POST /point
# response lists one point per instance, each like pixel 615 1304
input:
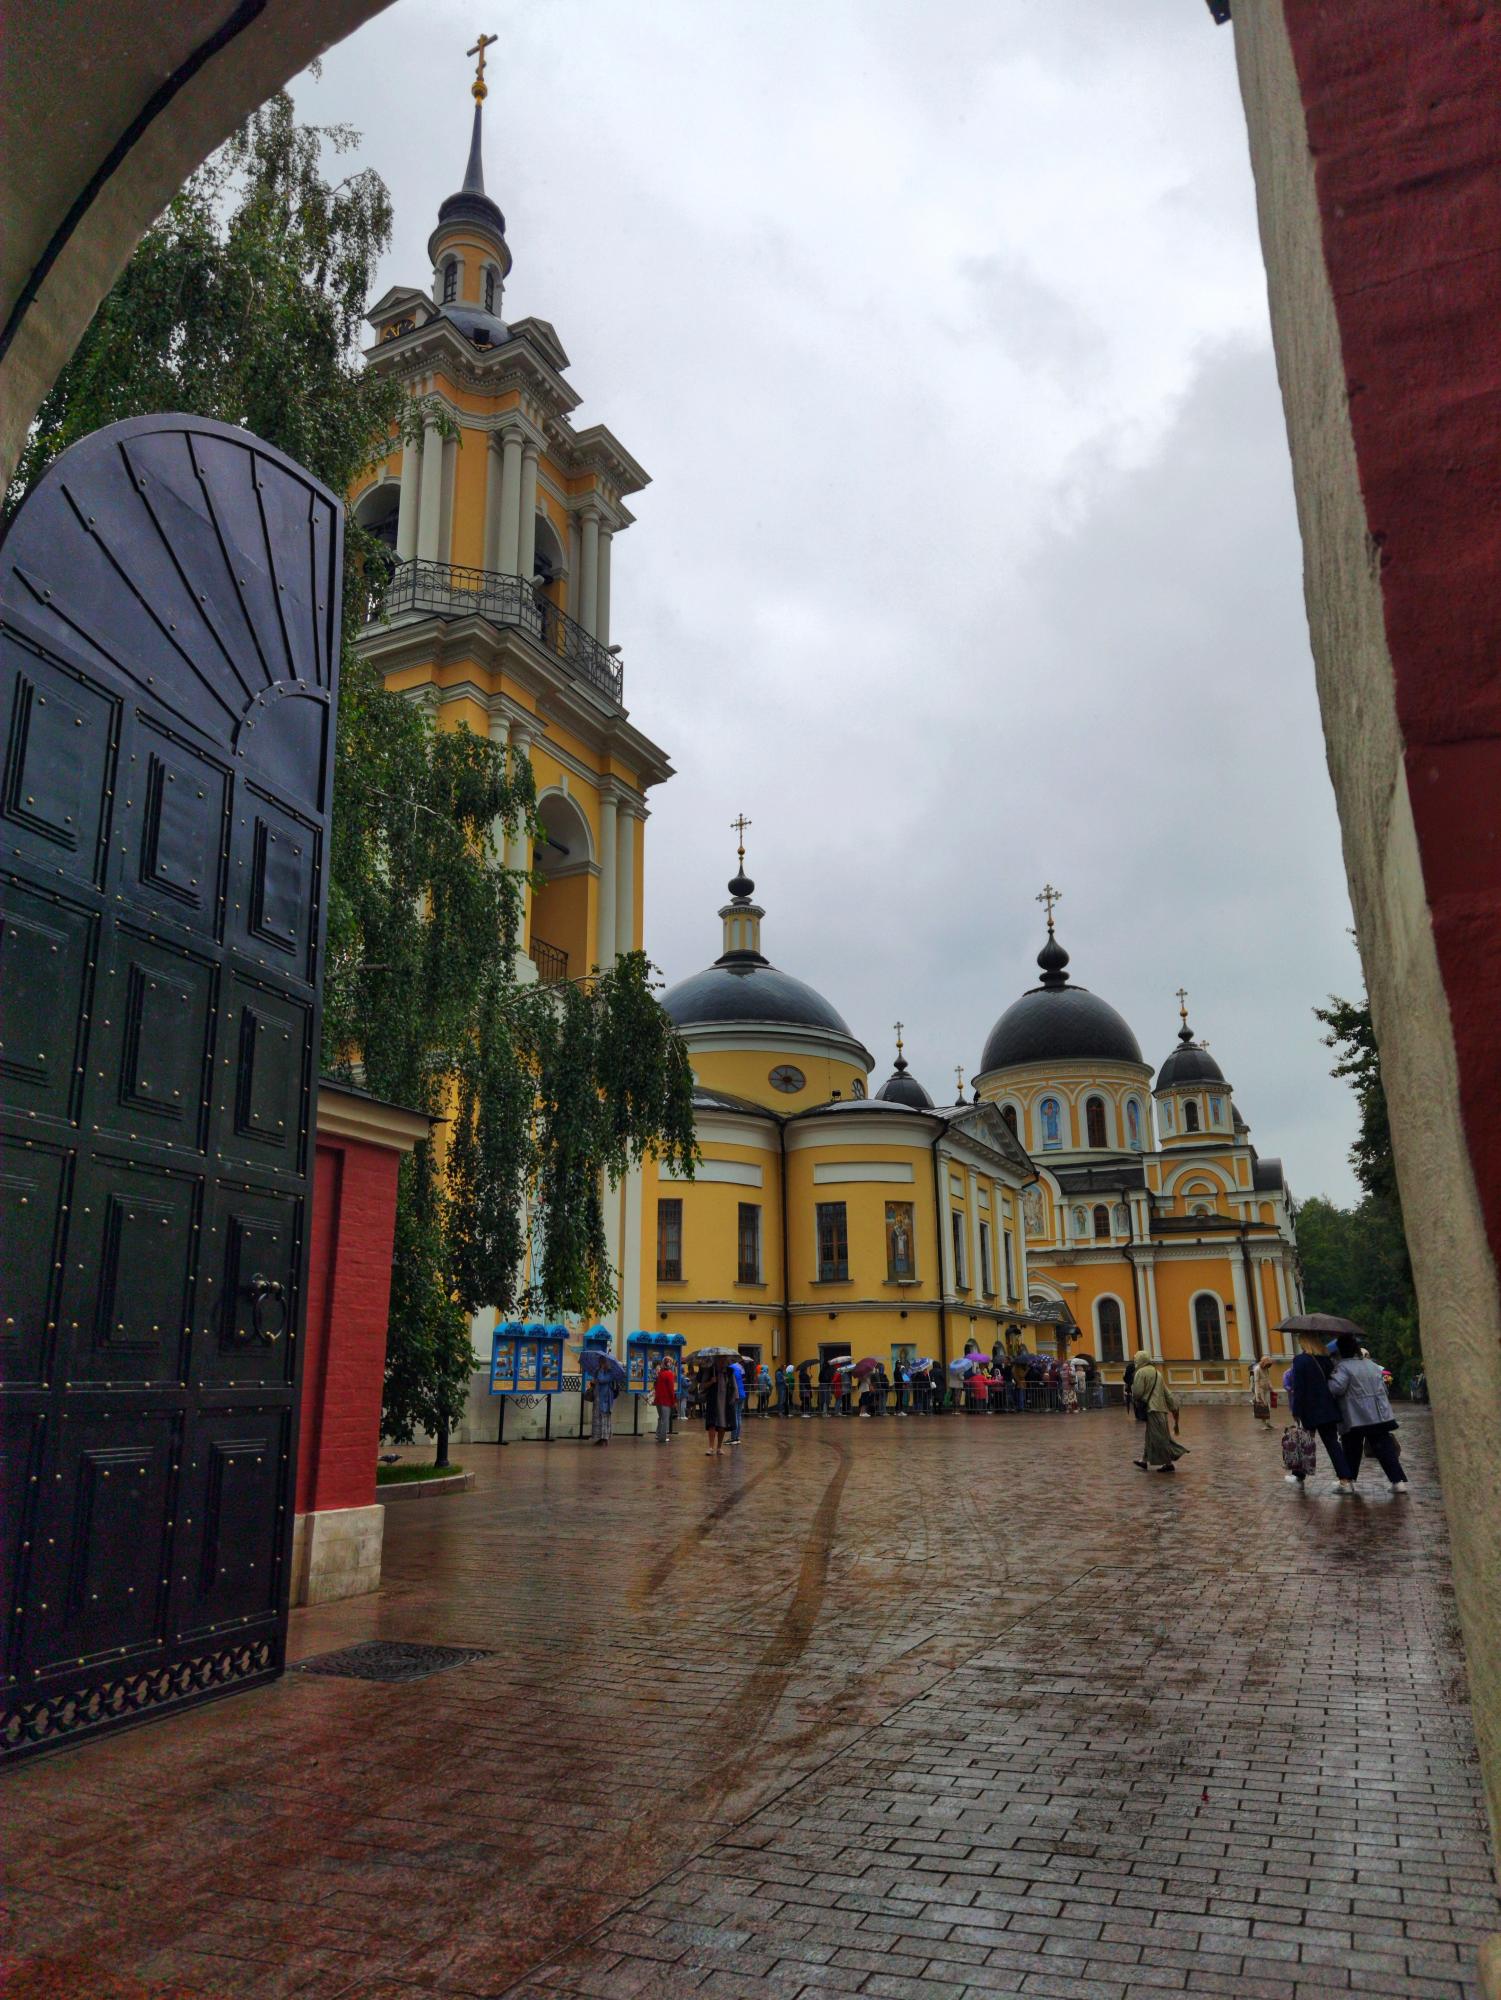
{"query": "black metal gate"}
pixel 169 642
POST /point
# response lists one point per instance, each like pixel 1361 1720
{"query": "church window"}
pixel 1008 1113
pixel 670 1240
pixel 1133 1124
pixel 956 1226
pixel 1190 1116
pixel 987 1273
pixel 1107 1314
pixel 1094 1119
pixel 901 1261
pixel 833 1242
pixel 1101 1220
pixel 857 1086
pixel 748 1242
pixel 450 282
pixel 1209 1327
pixel 1052 1124
pixel 490 288
pixel 1009 1253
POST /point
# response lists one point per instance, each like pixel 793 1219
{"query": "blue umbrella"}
pixel 595 1362
pixel 923 1362
pixel 966 1364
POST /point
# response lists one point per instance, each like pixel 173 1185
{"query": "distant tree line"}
pixel 1355 1260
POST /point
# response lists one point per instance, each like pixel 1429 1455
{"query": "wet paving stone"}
pixel 945 1708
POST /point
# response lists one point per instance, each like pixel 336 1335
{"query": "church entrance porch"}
pixel 871 1720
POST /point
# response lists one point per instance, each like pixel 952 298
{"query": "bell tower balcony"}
pixel 416 590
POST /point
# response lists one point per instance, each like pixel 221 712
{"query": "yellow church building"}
pixel 1076 1201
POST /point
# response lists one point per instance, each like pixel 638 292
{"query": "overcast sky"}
pixel 969 560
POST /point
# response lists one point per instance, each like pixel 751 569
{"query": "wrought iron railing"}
pixel 551 962
pixel 447 590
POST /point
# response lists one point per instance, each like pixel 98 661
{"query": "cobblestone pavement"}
pixel 916 1710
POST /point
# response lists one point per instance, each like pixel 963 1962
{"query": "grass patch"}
pixel 403 1475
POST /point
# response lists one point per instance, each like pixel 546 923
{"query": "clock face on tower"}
pixel 788 1077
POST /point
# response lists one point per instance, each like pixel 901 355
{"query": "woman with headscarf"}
pixel 719 1406
pixel 1156 1401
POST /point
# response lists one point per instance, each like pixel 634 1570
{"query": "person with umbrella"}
pixel 605 1376
pixel 1314 1408
pixel 719 1403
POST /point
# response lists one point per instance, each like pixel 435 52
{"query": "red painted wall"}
pixel 1404 121
pixel 349 1291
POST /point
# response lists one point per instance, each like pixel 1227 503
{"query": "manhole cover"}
pixel 392 1660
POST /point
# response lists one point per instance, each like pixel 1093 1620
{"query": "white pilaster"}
pixel 411 501
pixel 450 481
pixel 602 593
pixel 500 736
pixel 589 566
pixel 1154 1330
pixel 510 503
pixel 526 555
pixel 976 1266
pixel 430 509
pixel 625 881
pixel 605 946
pixel 492 504
pixel 630 1273
pixel 1242 1309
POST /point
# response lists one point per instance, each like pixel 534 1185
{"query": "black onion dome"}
pixel 901 1087
pixel 1188 1064
pixel 746 988
pixel 1058 1022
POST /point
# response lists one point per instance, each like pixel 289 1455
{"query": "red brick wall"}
pixel 1404 123
pixel 349 1289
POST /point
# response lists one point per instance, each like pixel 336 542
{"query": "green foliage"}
pixel 1355 1260
pixel 245 302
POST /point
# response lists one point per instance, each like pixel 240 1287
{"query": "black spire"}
pixel 474 173
pixel 471 203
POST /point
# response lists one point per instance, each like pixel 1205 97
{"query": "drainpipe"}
pixel 938 1222
pixel 786 1262
pixel 1255 1303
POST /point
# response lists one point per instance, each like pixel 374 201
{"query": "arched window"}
pixel 1133 1124
pixel 450 282
pixel 1190 1116
pixel 489 288
pixel 1209 1327
pixel 1094 1120
pixel 1052 1124
pixel 1107 1314
pixel 1101 1220
pixel 1008 1113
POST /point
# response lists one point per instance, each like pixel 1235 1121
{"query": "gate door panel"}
pixel 169 640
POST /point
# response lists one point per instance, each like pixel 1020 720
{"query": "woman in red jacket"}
pixel 664 1395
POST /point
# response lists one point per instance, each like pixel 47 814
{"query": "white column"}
pixel 450 483
pixel 589 568
pixel 612 1204
pixel 526 556
pixel 631 1260
pixel 625 881
pixel 949 1277
pixel 492 504
pixel 1242 1309
pixel 602 594
pixel 411 500
pixel 510 503
pixel 976 1268
pixel 430 508
pixel 1154 1330
pixel 500 736
pixel 605 949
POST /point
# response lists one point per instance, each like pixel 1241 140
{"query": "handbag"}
pixel 1300 1450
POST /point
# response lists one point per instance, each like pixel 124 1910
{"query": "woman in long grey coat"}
pixel 1152 1396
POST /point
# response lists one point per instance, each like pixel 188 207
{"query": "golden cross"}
pixel 899 1025
pixel 478 87
pixel 1050 896
pixel 738 826
pixel 1181 996
pixel 959 1074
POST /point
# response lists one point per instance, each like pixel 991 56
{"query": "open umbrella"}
pixel 715 1354
pixel 602 1367
pixel 921 1365
pixel 1324 1323
pixel 868 1366
pixel 967 1364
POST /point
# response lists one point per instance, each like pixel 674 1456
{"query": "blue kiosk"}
pixel 526 1361
pixel 644 1355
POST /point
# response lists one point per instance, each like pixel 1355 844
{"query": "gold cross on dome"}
pixel 1181 996
pixel 1050 896
pixel 738 826
pixel 478 87
pixel 959 1077
pixel 898 1026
